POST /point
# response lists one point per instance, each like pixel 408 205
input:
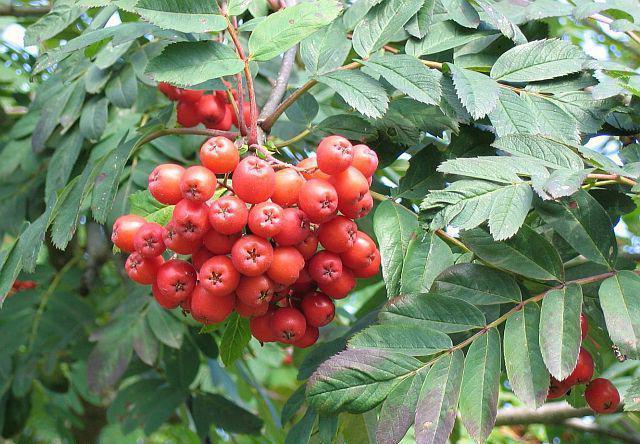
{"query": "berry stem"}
pixel 294 139
pixel 194 131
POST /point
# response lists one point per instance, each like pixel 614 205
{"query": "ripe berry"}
pixel 218 276
pixel 335 154
pixel 305 282
pixel 252 255
pixel 288 324
pixel 361 254
pixel 583 371
pixel 286 265
pixel 209 309
pixel 198 183
pixel 225 121
pixel 219 243
pixel 338 235
pixel 169 90
pixel 248 311
pixel 288 183
pixel 211 110
pixel 308 246
pixel 319 200
pixel 190 95
pixel 602 396
pixel 325 267
pixel 318 309
pixel 365 160
pixel 351 186
pixel 309 338
pixel 228 215
pixel 265 219
pixel 311 170
pixel 142 270
pixel 340 288
pixel 295 227
pixel 164 183
pixel 191 219
pixel 357 209
pixel 177 242
pixel 149 241
pixel 584 325
pixel 124 230
pixel 220 155
pixel 371 270
pixel 176 280
pixel 187 114
pixel 255 291
pixel 254 180
pixel 557 389
pixel 162 300
pixel 200 256
pixel 260 327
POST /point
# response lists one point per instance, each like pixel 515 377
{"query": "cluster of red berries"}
pixel 601 394
pixel 255 248
pixel 195 107
pixel 22 285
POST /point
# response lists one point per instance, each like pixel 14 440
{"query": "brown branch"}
pixel 24 11
pixel 181 131
pixel 613 177
pixel 280 87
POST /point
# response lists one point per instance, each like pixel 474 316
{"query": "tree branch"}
pixel 280 87
pixel 194 131
pixel 24 11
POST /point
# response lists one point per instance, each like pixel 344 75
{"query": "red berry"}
pixel 335 154
pixel 557 389
pixel 164 183
pixel 288 183
pixel 220 155
pixel 248 311
pixel 305 282
pixel 365 160
pixel 218 276
pixel 286 265
pixel 265 219
pixel 260 327
pixel 311 170
pixel 149 241
pixel 341 287
pixel 358 209
pixel 124 230
pixel 309 338
pixel 163 301
pixel 191 219
pixel 252 255
pixel 187 114
pixel 319 200
pixel 295 227
pixel 210 109
pixel 351 186
pixel 602 396
pixel 219 243
pixel 338 235
pixel 361 254
pixel 142 270
pixel 318 309
pixel 325 267
pixel 255 291
pixel 209 309
pixel 584 325
pixel 176 280
pixel 169 90
pixel 189 95
pixel 583 371
pixel 228 215
pixel 175 241
pixel 288 324
pixel 254 180
pixel 308 246
pixel 200 256
pixel 371 270
pixel 198 183
pixel 224 122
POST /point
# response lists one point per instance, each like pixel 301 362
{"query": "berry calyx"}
pixel 265 219
pixel 228 215
pixel 288 324
pixel 149 240
pixel 176 280
pixel 252 255
pixel 218 276
pixel 198 183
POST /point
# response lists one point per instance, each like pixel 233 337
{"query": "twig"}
pixel 280 87
pixel 194 131
pixel 553 412
pixel 615 177
pixel 607 21
pixel 24 11
pixel 240 89
pixel 632 438
pixel 294 139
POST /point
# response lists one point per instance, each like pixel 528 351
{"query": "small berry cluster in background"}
pixel 601 394
pixel 195 107
pixel 254 249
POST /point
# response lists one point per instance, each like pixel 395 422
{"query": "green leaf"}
pixel 477 92
pixel 237 7
pixel 433 311
pixel 164 326
pixel 382 23
pixel 210 409
pixel 358 90
pixel 620 301
pixel 493 16
pixel 181 365
pixel 191 63
pixel 584 224
pixel 61 16
pixel 182 15
pixel 393 225
pixel 396 414
pixel 541 149
pixel 436 410
pixel 10 266
pixel 145 343
pixel 421 175
pixel 527 253
pixel 326 49
pixel 427 255
pixel 560 330
pixel 235 338
pixel 357 380
pixel 93 120
pixel 283 29
pixel 538 60
pixel 512 115
pixel 350 126
pixel 526 371
pixel 444 36
pixel 480 385
pixel 300 433
pixel 108 361
pixel 462 12
pixel 478 285
pixel 62 162
pixel 412 340
pixel 122 90
pixel 293 404
pixel 632 396
pixel 419 25
pixel 409 75
pixel 144 204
